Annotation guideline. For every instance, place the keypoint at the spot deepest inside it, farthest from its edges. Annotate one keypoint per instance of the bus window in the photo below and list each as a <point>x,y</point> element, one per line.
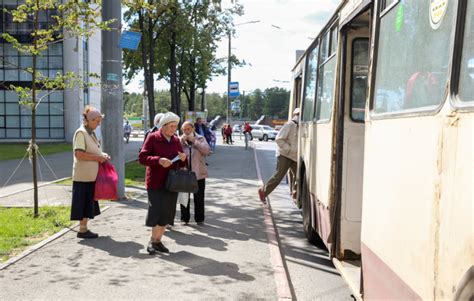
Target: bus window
<point>360,69</point>
<point>413,57</point>
<point>325,85</point>
<point>310,85</point>
<point>466,80</point>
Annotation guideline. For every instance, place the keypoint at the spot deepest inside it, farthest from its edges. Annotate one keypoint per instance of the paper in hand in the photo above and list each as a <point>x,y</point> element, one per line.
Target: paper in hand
<point>175,159</point>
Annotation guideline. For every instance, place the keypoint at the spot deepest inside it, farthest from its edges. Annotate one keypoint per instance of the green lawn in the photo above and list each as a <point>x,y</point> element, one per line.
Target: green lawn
<point>9,151</point>
<point>134,175</point>
<point>19,229</point>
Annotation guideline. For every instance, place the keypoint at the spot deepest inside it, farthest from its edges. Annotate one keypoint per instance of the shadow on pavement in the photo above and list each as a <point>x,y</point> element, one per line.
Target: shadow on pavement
<point>122,249</point>
<point>197,240</point>
<point>206,266</point>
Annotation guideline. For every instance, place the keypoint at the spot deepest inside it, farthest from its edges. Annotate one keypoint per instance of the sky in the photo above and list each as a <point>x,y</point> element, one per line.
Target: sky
<point>269,46</point>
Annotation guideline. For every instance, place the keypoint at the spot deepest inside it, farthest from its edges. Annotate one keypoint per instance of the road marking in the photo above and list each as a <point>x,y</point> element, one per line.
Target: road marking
<point>282,280</point>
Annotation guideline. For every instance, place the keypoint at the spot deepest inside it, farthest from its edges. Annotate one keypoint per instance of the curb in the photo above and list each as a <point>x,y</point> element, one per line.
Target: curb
<point>285,290</point>
<point>41,244</point>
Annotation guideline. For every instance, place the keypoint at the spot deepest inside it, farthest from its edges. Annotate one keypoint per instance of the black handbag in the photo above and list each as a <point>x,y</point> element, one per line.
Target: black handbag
<point>182,180</point>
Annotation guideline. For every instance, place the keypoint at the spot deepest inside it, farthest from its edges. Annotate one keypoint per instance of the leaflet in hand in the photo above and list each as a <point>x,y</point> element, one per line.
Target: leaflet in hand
<point>175,159</point>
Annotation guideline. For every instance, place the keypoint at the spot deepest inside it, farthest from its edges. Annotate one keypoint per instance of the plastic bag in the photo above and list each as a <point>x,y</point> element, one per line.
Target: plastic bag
<point>184,198</point>
<point>106,182</point>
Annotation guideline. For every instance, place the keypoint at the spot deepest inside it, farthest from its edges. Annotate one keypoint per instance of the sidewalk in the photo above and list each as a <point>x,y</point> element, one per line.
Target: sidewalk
<point>226,258</point>
<point>61,163</point>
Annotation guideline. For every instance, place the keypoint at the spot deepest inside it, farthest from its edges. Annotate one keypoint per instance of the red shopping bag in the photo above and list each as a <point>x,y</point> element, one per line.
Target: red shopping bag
<point>106,182</point>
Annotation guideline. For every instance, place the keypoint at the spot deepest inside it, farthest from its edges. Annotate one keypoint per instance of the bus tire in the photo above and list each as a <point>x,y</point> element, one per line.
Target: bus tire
<point>311,235</point>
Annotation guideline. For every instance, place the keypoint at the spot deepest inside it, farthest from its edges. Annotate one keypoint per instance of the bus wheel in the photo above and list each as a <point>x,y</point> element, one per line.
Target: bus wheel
<point>311,235</point>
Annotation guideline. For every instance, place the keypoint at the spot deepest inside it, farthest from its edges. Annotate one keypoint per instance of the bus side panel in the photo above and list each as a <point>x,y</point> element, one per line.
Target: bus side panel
<point>322,174</point>
<point>456,204</point>
<point>399,191</point>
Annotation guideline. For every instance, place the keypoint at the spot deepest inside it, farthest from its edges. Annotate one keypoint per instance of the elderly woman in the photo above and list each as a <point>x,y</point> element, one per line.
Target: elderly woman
<point>159,149</point>
<point>87,156</point>
<point>196,149</point>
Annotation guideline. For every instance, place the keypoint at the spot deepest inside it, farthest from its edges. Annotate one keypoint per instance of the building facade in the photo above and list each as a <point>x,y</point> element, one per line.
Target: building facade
<point>59,113</point>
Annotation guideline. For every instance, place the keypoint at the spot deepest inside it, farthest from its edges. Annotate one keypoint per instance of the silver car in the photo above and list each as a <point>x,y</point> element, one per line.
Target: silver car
<point>263,132</point>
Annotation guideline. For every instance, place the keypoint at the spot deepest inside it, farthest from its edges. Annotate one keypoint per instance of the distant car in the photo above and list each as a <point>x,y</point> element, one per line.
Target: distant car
<point>263,132</point>
<point>236,128</point>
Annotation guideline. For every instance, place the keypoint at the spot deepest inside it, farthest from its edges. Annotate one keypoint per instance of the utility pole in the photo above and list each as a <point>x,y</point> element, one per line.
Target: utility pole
<point>229,78</point>
<point>112,91</point>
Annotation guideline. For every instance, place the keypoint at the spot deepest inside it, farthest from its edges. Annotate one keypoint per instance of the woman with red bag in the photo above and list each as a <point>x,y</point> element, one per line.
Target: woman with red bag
<point>87,157</point>
<point>157,153</point>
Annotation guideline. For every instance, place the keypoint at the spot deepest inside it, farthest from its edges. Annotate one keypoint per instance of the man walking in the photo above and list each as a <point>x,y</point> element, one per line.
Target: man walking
<point>287,152</point>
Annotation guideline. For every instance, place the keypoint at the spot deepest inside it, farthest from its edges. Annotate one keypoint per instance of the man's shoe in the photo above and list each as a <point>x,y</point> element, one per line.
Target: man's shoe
<point>261,195</point>
<point>87,234</point>
<point>150,248</point>
<point>160,247</point>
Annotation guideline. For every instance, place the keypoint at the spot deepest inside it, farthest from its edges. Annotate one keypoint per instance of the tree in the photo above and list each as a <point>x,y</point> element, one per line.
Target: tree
<point>276,102</point>
<point>256,104</point>
<point>68,19</point>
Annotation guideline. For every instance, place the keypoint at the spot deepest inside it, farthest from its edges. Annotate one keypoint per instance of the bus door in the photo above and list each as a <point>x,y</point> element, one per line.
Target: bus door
<point>351,145</point>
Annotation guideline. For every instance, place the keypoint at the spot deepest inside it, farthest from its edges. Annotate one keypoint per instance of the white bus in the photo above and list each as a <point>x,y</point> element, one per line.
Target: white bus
<point>385,169</point>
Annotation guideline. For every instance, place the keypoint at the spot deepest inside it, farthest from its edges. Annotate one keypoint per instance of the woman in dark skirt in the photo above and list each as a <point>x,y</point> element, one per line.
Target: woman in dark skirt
<point>159,149</point>
<point>87,156</point>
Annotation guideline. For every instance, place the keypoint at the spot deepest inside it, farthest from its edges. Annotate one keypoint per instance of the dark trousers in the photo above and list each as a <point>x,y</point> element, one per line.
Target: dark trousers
<point>283,164</point>
<point>198,205</point>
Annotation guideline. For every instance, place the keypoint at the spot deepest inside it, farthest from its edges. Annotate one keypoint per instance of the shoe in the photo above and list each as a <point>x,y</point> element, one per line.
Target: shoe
<point>200,223</point>
<point>87,234</point>
<point>150,248</point>
<point>185,221</point>
<point>261,195</point>
<point>294,195</point>
<point>160,247</point>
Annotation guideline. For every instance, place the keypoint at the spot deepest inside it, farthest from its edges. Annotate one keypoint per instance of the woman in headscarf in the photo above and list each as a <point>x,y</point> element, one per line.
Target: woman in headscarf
<point>196,149</point>
<point>87,156</point>
<point>159,149</point>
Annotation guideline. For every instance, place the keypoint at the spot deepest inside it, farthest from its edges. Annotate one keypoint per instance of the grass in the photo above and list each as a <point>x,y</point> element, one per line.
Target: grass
<point>134,175</point>
<point>9,151</point>
<point>19,229</point>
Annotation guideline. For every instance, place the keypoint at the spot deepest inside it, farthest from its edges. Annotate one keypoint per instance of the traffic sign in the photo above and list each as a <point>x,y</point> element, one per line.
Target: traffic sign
<point>130,40</point>
<point>234,89</point>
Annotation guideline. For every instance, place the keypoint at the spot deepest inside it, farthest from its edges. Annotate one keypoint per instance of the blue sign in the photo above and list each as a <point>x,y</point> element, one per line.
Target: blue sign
<point>130,40</point>
<point>234,89</point>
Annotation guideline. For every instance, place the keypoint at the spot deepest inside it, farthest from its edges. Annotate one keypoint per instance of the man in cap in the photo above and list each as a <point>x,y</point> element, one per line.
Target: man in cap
<point>287,151</point>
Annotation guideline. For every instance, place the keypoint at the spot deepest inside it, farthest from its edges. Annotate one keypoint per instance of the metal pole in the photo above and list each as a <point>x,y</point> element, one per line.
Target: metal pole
<point>112,91</point>
<point>229,78</point>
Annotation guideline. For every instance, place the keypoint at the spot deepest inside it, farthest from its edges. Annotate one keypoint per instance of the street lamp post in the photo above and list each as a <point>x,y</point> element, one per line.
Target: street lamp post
<point>229,68</point>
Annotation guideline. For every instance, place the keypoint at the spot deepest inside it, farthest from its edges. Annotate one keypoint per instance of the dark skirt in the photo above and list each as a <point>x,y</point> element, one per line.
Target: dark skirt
<point>83,203</point>
<point>161,207</point>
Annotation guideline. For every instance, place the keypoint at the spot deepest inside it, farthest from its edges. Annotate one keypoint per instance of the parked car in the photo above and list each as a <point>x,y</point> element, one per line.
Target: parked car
<point>236,128</point>
<point>263,132</point>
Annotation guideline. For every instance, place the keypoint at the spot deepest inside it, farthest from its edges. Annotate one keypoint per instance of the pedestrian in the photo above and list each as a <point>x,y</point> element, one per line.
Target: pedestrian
<point>202,130</point>
<point>127,130</point>
<point>213,138</point>
<point>228,134</point>
<point>287,150</point>
<point>248,130</point>
<point>156,127</point>
<point>196,149</point>
<point>224,138</point>
<point>159,149</point>
<point>87,156</point>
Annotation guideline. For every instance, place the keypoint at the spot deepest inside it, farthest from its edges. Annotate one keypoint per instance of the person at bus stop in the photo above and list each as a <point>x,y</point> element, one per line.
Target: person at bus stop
<point>202,130</point>
<point>87,156</point>
<point>228,134</point>
<point>196,149</point>
<point>248,130</point>
<point>157,153</point>
<point>127,130</point>
<point>286,156</point>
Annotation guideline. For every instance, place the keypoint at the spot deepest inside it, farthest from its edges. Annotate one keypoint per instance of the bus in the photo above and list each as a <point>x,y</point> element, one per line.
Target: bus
<point>385,169</point>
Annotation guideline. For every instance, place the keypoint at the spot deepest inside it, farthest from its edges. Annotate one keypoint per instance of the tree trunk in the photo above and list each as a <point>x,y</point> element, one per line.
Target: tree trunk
<point>203,97</point>
<point>151,80</point>
<point>175,104</point>
<point>146,70</point>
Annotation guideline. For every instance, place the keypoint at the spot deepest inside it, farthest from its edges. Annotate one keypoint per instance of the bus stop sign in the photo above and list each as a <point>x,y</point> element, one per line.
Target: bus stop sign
<point>234,89</point>
<point>130,40</point>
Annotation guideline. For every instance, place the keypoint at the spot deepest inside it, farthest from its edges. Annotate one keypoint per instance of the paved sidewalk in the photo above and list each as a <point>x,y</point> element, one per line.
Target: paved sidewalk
<point>226,258</point>
<point>61,163</point>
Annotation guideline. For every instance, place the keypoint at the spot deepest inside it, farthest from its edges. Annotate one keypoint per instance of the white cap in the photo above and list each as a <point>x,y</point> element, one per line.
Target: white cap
<point>157,118</point>
<point>167,118</point>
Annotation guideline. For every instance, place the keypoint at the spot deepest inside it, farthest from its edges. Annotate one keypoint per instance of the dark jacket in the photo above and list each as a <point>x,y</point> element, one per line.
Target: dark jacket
<point>155,147</point>
<point>205,130</point>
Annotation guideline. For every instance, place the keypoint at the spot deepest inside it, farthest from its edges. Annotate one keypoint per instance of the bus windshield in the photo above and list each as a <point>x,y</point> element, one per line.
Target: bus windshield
<point>466,79</point>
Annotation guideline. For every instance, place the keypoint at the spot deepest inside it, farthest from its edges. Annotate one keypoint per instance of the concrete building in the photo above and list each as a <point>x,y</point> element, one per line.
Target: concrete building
<point>59,113</point>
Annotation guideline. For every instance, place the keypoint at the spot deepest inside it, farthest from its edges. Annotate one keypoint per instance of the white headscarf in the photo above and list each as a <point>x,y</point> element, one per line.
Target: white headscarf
<point>157,119</point>
<point>167,118</point>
